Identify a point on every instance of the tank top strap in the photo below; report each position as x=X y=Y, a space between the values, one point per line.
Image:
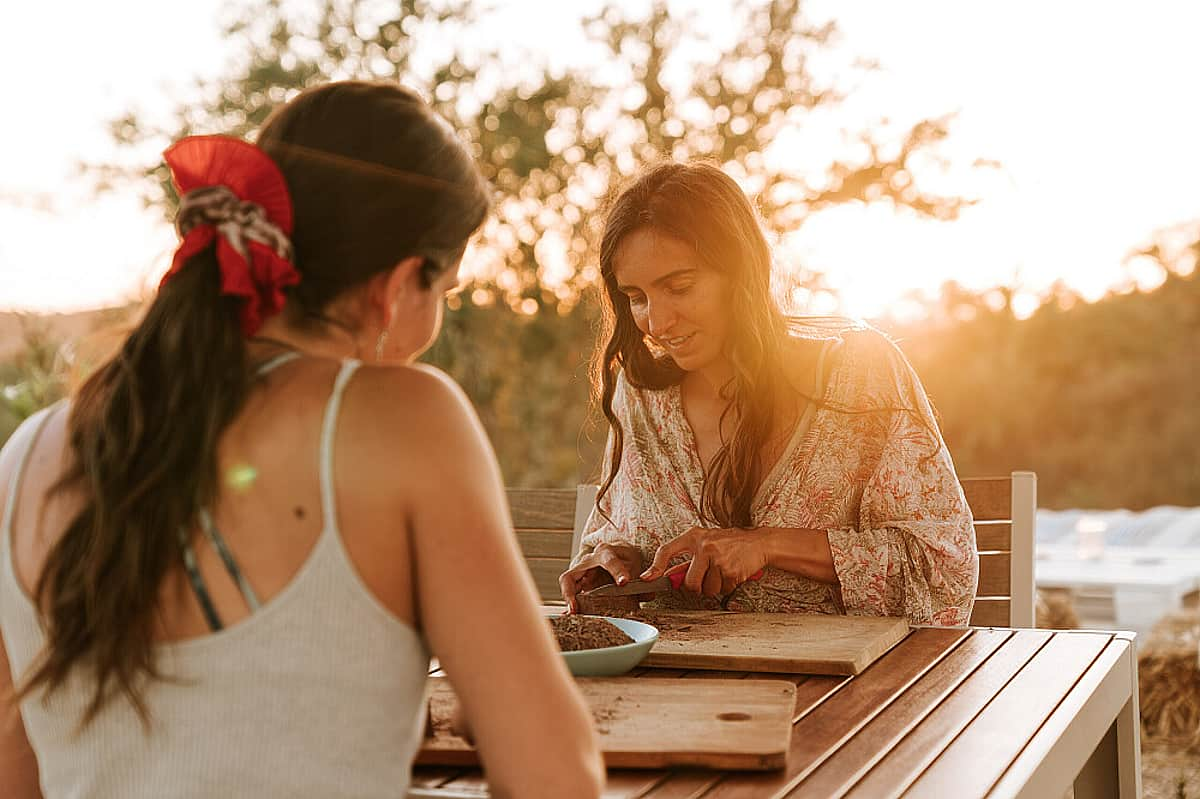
x=14 y=485
x=328 y=432
x=271 y=364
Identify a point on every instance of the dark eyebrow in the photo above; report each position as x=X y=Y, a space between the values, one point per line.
x=664 y=279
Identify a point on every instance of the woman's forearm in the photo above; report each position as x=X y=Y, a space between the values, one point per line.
x=799 y=551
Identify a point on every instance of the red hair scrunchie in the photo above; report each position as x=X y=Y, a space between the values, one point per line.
x=233 y=192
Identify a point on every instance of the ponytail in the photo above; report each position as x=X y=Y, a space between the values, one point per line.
x=145 y=456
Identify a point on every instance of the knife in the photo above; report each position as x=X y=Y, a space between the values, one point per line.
x=668 y=582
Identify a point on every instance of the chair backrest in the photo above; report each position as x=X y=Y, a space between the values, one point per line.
x=1005 y=509
x=549 y=523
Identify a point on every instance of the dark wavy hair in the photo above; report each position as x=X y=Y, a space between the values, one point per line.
x=702 y=207
x=699 y=205
x=375 y=177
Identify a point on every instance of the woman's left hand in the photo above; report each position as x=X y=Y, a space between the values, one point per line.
x=722 y=559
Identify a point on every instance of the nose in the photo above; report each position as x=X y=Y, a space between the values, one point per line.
x=660 y=318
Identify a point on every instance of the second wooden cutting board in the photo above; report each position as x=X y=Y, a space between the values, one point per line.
x=656 y=723
x=772 y=642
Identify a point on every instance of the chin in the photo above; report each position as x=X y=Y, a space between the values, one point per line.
x=694 y=363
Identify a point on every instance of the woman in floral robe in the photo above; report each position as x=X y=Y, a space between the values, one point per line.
x=743 y=442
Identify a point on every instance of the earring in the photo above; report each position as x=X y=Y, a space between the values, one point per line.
x=380 y=343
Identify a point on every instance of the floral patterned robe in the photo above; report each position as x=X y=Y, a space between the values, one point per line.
x=881 y=484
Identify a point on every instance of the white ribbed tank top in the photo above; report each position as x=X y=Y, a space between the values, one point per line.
x=319 y=693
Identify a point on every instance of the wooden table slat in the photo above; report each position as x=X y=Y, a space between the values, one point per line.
x=469 y=782
x=811 y=691
x=818 y=732
x=975 y=760
x=907 y=759
x=837 y=773
x=943 y=713
x=631 y=783
x=435 y=776
x=685 y=783
x=1092 y=706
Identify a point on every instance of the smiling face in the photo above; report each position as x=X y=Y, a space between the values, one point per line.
x=674 y=298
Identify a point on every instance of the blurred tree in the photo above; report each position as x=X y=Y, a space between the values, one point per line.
x=1171 y=250
x=33 y=379
x=1098 y=398
x=736 y=84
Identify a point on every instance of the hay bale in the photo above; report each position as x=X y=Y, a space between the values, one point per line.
x=1169 y=680
x=1055 y=610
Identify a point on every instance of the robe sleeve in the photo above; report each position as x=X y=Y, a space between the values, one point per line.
x=913 y=551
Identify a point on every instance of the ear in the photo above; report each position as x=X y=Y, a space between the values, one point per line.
x=393 y=288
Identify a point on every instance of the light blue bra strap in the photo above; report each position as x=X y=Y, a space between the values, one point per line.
x=328 y=430
x=218 y=543
x=14 y=485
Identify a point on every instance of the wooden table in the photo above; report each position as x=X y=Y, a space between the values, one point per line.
x=944 y=713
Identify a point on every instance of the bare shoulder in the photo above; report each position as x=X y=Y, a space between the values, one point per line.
x=411 y=414
x=867 y=349
x=804 y=355
x=409 y=396
x=48 y=458
x=50 y=421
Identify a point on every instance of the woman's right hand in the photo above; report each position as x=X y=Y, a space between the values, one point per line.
x=607 y=563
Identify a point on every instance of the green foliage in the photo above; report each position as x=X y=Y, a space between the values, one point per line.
x=1099 y=399
x=33 y=379
x=527 y=376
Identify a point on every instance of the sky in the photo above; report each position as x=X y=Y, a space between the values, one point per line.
x=1087 y=107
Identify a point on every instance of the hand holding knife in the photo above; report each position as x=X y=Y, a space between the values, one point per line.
x=671 y=581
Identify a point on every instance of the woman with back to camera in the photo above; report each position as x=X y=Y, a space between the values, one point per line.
x=226 y=561
x=782 y=464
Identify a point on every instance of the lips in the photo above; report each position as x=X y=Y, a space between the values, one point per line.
x=676 y=342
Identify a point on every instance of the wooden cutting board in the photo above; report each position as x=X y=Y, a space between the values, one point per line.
x=654 y=723
x=776 y=642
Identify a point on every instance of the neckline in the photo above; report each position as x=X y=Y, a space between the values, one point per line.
x=804 y=423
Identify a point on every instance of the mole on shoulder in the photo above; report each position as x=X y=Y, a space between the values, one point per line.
x=299 y=512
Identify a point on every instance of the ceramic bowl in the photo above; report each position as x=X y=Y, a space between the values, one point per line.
x=610 y=661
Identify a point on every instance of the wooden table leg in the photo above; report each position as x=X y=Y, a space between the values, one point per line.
x=1115 y=768
x=1129 y=733
x=1098 y=779
x=1129 y=746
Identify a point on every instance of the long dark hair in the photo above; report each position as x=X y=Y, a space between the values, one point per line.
x=375 y=177
x=701 y=206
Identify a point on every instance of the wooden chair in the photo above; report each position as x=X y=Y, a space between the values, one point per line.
x=549 y=524
x=1005 y=511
